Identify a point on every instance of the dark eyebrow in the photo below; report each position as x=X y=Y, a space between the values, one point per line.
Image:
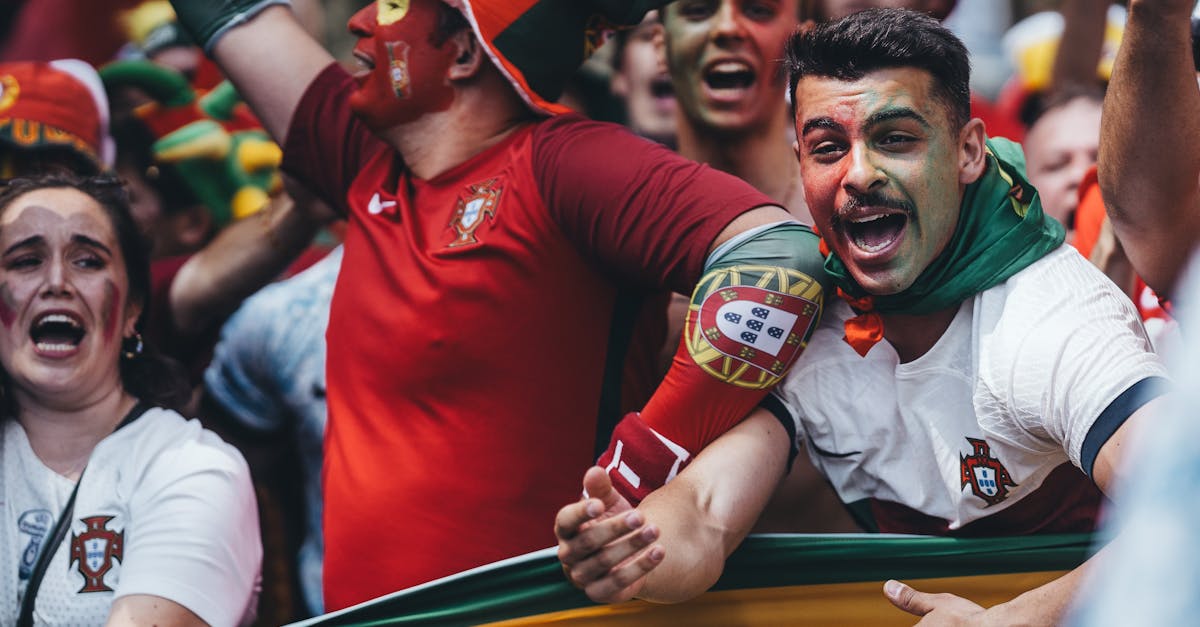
x=895 y=113
x=32 y=239
x=821 y=123
x=87 y=241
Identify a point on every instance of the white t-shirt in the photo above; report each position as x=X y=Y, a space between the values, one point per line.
x=164 y=508
x=1008 y=394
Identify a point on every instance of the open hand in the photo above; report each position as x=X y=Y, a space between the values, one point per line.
x=935 y=609
x=605 y=547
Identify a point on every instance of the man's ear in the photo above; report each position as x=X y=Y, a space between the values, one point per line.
x=972 y=153
x=468 y=55
x=796 y=149
x=192 y=226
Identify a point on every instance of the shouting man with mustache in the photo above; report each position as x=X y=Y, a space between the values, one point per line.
x=977 y=378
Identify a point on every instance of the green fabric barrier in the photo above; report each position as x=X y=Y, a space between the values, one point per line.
x=534 y=584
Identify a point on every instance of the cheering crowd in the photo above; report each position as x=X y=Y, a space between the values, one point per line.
x=280 y=328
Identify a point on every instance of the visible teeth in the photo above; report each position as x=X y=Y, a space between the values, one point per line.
x=731 y=67
x=873 y=218
x=867 y=247
x=58 y=318
x=54 y=348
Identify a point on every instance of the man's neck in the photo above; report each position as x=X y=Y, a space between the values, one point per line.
x=63 y=438
x=913 y=335
x=477 y=120
x=760 y=156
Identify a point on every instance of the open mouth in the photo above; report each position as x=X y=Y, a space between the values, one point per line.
x=660 y=87
x=876 y=232
x=57 y=333
x=364 y=61
x=729 y=76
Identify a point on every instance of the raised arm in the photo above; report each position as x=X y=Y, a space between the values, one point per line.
x=261 y=47
x=673 y=546
x=1082 y=41
x=1149 y=164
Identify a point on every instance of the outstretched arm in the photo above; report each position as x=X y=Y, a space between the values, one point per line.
x=673 y=546
x=261 y=47
x=1046 y=604
x=1149 y=165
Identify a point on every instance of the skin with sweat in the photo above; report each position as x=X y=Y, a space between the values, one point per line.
x=59 y=256
x=404 y=75
x=882 y=172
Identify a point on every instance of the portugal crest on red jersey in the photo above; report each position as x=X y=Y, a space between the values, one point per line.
x=988 y=478
x=477 y=203
x=94 y=550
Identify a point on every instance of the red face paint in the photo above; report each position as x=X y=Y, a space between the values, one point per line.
x=8 y=306
x=408 y=79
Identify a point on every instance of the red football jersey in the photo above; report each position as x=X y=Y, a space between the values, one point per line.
x=479 y=327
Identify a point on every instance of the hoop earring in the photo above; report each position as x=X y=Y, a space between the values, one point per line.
x=136 y=339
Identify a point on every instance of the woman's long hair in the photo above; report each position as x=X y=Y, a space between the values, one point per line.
x=147 y=375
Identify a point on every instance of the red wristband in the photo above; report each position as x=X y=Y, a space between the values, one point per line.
x=639 y=460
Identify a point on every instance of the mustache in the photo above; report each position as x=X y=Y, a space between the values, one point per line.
x=871 y=199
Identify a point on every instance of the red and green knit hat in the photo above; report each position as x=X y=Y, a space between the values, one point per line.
x=538 y=44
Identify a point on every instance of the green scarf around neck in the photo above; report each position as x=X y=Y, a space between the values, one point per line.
x=1001 y=230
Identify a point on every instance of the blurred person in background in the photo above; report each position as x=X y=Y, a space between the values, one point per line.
x=1061 y=147
x=723 y=57
x=640 y=80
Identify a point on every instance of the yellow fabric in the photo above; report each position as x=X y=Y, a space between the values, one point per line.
x=797 y=606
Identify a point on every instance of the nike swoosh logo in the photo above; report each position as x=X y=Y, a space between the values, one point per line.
x=824 y=453
x=376 y=206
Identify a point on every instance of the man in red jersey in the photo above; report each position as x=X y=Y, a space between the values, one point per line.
x=494 y=256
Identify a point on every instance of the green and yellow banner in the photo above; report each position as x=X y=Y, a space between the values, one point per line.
x=769 y=580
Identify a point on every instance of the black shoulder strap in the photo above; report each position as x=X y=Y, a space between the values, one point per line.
x=25 y=619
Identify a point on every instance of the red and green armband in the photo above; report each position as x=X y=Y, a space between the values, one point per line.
x=749 y=319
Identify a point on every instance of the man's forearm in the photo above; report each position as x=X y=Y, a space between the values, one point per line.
x=1082 y=41
x=706 y=512
x=242 y=258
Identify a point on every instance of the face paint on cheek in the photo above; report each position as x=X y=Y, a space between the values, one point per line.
x=410 y=75
x=398 y=64
x=8 y=306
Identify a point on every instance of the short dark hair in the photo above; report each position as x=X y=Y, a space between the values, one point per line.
x=149 y=375
x=876 y=39
x=1044 y=103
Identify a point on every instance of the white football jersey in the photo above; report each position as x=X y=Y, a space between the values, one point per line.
x=164 y=508
x=1008 y=394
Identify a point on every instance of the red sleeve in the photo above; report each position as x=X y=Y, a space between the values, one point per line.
x=326 y=143
x=632 y=205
